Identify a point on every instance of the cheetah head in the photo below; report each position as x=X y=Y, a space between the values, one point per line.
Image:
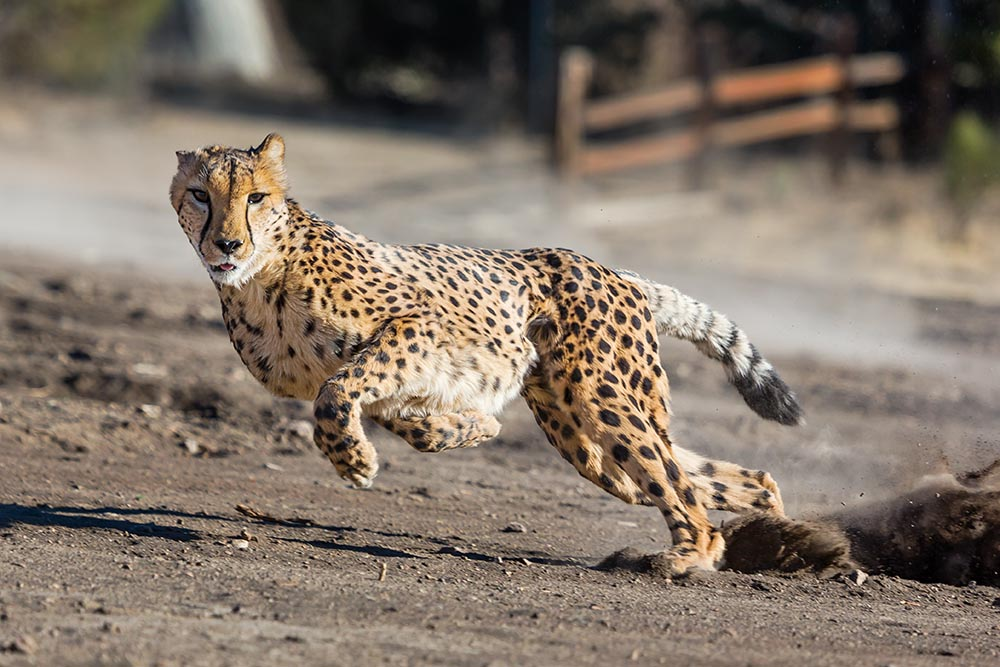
x=228 y=202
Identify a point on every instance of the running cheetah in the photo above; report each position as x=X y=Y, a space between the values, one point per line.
x=431 y=341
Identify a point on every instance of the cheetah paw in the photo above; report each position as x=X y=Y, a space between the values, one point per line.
x=360 y=479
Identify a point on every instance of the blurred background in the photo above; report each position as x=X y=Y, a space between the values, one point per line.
x=824 y=172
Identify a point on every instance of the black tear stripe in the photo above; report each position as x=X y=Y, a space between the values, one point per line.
x=246 y=219
x=208 y=223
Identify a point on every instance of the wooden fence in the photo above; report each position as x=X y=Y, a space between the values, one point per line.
x=818 y=96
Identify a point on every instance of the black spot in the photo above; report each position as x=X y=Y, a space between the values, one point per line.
x=672 y=471
x=707 y=469
x=620 y=452
x=581 y=455
x=636 y=422
x=647 y=453
x=606 y=391
x=655 y=489
x=610 y=418
x=689 y=498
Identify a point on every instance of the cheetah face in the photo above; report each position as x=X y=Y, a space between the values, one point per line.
x=229 y=202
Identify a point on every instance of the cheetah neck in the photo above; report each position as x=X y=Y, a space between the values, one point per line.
x=289 y=325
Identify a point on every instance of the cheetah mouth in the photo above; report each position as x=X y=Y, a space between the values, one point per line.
x=224 y=267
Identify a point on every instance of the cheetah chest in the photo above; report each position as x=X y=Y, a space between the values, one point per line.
x=283 y=344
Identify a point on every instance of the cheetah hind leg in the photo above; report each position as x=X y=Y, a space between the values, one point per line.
x=587 y=456
x=437 y=433
x=729 y=487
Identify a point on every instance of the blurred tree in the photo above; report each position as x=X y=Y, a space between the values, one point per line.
x=971 y=166
x=80 y=43
x=490 y=56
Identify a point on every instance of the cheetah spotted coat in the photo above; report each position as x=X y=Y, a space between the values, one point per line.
x=432 y=341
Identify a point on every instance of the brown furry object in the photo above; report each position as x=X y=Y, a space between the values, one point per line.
x=766 y=542
x=942 y=533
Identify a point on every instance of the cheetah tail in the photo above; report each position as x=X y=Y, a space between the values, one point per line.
x=680 y=316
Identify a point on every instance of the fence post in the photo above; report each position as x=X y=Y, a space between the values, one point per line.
x=839 y=141
x=706 y=45
x=575 y=70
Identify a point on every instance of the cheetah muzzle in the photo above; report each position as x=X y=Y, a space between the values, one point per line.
x=432 y=341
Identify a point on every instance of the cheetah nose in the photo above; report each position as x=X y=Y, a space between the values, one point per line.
x=228 y=245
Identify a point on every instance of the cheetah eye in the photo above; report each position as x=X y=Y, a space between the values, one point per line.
x=256 y=197
x=199 y=195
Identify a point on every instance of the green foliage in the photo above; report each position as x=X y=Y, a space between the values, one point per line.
x=971 y=160
x=82 y=43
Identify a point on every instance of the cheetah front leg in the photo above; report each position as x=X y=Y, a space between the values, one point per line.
x=730 y=487
x=437 y=433
x=370 y=376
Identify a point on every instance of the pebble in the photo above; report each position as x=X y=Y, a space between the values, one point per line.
x=856 y=577
x=515 y=527
x=273 y=466
x=24 y=644
x=191 y=446
x=300 y=428
x=243 y=545
x=150 y=410
x=153 y=370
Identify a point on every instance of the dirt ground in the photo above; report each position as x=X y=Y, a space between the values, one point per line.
x=130 y=434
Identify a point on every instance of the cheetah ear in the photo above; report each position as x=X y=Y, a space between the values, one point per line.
x=272 y=148
x=184 y=159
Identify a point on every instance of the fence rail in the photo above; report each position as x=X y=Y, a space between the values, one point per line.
x=818 y=97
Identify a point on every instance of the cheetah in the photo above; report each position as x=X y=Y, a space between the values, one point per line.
x=432 y=341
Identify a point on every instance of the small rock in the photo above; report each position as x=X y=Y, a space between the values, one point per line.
x=856 y=577
x=150 y=410
x=300 y=428
x=273 y=466
x=24 y=644
x=996 y=602
x=515 y=527
x=152 y=370
x=191 y=446
x=242 y=545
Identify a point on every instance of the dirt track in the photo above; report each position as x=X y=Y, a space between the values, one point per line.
x=118 y=523
x=119 y=530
